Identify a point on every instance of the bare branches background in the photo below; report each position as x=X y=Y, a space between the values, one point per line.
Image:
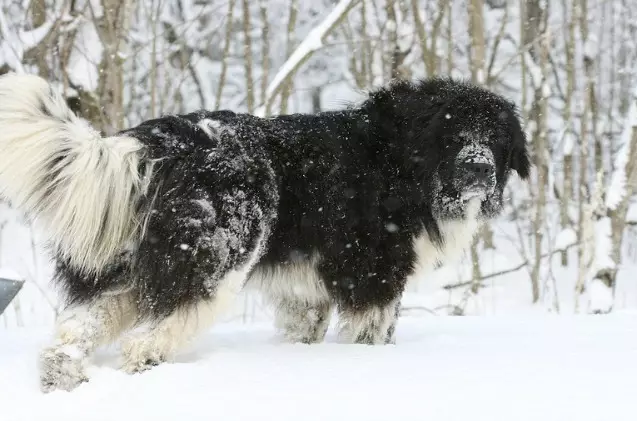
x=569 y=64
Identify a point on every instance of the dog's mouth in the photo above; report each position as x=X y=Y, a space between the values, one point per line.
x=473 y=194
x=477 y=190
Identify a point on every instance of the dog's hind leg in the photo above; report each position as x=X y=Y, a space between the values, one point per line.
x=165 y=337
x=80 y=329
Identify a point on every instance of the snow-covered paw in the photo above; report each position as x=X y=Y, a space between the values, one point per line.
x=61 y=368
x=132 y=366
x=294 y=336
x=303 y=324
x=372 y=326
x=363 y=336
x=140 y=355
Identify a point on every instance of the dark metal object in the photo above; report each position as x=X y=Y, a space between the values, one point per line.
x=9 y=288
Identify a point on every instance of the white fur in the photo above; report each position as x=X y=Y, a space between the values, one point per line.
x=79 y=331
x=60 y=171
x=168 y=336
x=213 y=127
x=299 y=298
x=301 y=322
x=297 y=281
x=457 y=237
x=369 y=326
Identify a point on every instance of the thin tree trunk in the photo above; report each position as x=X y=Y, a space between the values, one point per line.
x=286 y=90
x=477 y=47
x=113 y=27
x=392 y=39
x=476 y=29
x=542 y=152
x=535 y=34
x=566 y=195
x=247 y=56
x=226 y=52
x=265 y=49
x=582 y=254
x=450 y=37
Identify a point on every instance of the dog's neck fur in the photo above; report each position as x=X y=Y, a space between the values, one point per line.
x=456 y=235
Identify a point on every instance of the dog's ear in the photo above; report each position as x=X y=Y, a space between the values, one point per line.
x=520 y=160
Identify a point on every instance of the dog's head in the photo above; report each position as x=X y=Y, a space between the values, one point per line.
x=480 y=141
x=461 y=141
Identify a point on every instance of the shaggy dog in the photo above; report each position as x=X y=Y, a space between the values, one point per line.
x=159 y=226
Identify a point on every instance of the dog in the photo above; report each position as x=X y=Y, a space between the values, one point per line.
x=155 y=229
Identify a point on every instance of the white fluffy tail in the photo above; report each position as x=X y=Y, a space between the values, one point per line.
x=56 y=169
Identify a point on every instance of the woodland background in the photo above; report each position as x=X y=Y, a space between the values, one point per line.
x=566 y=243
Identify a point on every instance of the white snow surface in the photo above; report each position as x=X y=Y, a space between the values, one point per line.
x=441 y=369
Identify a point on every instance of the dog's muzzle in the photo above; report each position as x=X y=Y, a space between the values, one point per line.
x=475 y=176
x=478 y=179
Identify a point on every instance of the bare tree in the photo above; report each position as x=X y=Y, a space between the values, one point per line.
x=429 y=40
x=113 y=25
x=536 y=35
x=311 y=43
x=247 y=51
x=286 y=90
x=587 y=115
x=566 y=193
x=265 y=48
x=226 y=51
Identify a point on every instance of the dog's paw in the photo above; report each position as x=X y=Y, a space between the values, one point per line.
x=140 y=355
x=61 y=368
x=132 y=366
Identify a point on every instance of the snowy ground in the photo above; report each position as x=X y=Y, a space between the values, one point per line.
x=442 y=368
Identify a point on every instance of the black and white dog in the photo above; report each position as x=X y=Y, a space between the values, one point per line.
x=158 y=227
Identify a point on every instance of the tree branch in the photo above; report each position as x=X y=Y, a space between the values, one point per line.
x=312 y=43
x=504 y=271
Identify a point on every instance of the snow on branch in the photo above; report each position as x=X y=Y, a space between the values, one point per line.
x=10 y=51
x=14 y=47
x=617 y=187
x=312 y=42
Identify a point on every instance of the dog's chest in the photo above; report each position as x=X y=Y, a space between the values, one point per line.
x=457 y=237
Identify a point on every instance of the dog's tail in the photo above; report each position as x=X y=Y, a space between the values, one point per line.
x=83 y=188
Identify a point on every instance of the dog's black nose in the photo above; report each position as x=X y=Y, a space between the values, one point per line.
x=479 y=169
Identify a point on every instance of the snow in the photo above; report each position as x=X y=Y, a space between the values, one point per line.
x=617 y=188
x=566 y=238
x=8 y=273
x=85 y=58
x=443 y=369
x=600 y=297
x=312 y=42
x=602 y=259
x=569 y=143
x=591 y=47
x=10 y=49
x=631 y=215
x=512 y=359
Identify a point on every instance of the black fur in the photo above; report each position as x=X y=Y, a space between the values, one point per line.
x=353 y=187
